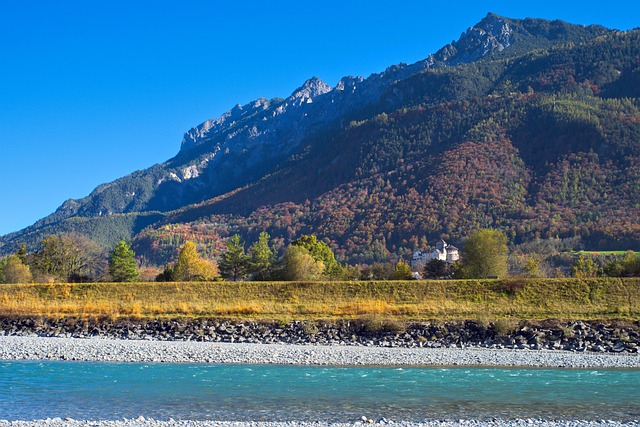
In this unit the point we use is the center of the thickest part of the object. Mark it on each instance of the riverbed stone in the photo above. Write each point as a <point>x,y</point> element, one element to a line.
<point>568,336</point>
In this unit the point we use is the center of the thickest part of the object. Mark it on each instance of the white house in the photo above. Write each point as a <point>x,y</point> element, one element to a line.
<point>443,251</point>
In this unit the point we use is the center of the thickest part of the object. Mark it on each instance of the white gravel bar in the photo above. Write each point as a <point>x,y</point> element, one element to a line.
<point>110,350</point>
<point>142,422</point>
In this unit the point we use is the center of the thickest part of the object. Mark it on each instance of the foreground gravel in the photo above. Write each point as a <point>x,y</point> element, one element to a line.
<point>110,350</point>
<point>57,422</point>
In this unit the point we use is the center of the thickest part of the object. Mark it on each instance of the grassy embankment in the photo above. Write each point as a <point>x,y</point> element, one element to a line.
<point>566,299</point>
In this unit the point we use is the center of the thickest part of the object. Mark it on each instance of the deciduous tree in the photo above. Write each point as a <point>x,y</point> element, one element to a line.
<point>626,266</point>
<point>585,267</point>
<point>192,267</point>
<point>13,270</point>
<point>484,254</point>
<point>435,269</point>
<point>321,252</point>
<point>402,271</point>
<point>532,267</point>
<point>377,271</point>
<point>70,258</point>
<point>299,264</point>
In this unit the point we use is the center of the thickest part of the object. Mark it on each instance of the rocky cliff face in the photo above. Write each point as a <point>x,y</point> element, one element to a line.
<point>492,35</point>
<point>263,132</point>
<point>272,129</point>
<point>254,120</point>
<point>257,119</point>
<point>262,121</point>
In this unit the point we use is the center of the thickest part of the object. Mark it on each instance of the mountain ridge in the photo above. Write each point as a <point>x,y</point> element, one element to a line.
<point>275,107</point>
<point>250,146</point>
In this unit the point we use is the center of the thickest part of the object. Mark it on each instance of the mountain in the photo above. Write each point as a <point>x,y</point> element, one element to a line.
<point>528,125</point>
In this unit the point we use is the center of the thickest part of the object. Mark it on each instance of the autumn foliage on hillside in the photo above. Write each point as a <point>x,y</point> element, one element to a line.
<point>532,165</point>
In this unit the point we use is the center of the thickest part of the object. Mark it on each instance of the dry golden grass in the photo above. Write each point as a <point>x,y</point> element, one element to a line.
<point>411,300</point>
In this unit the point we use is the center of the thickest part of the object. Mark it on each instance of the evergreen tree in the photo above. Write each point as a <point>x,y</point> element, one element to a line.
<point>22,253</point>
<point>122,263</point>
<point>234,262</point>
<point>192,267</point>
<point>263,258</point>
<point>167,275</point>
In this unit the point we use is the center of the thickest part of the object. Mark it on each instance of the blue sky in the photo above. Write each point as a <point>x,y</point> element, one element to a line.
<point>93,90</point>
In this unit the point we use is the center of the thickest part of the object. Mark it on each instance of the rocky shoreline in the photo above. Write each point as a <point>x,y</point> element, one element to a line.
<point>142,422</point>
<point>578,336</point>
<point>149,351</point>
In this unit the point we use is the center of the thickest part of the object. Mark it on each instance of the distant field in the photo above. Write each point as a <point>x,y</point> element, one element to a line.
<point>411,300</point>
<point>604,253</point>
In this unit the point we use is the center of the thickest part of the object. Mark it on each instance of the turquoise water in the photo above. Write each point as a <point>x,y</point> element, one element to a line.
<point>80,390</point>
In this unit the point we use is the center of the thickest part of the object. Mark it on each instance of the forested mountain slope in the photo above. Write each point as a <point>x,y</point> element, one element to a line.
<point>530,126</point>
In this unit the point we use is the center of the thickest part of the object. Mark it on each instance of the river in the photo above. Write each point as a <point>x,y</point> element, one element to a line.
<point>103,391</point>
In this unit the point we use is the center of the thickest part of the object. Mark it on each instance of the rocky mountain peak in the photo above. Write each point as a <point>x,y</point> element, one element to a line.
<point>309,90</point>
<point>348,83</point>
<point>196,135</point>
<point>491,35</point>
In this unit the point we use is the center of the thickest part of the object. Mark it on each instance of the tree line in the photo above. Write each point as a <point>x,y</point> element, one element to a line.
<point>305,259</point>
<point>74,258</point>
<point>484,254</point>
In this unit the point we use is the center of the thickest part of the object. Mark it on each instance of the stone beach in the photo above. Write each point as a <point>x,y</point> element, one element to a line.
<point>142,422</point>
<point>577,336</point>
<point>148,351</point>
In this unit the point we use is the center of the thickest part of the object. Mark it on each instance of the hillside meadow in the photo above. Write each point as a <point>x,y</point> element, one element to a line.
<point>522,299</point>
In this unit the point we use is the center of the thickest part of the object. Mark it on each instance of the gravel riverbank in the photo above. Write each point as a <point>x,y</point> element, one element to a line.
<point>113,350</point>
<point>141,422</point>
<point>576,336</point>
